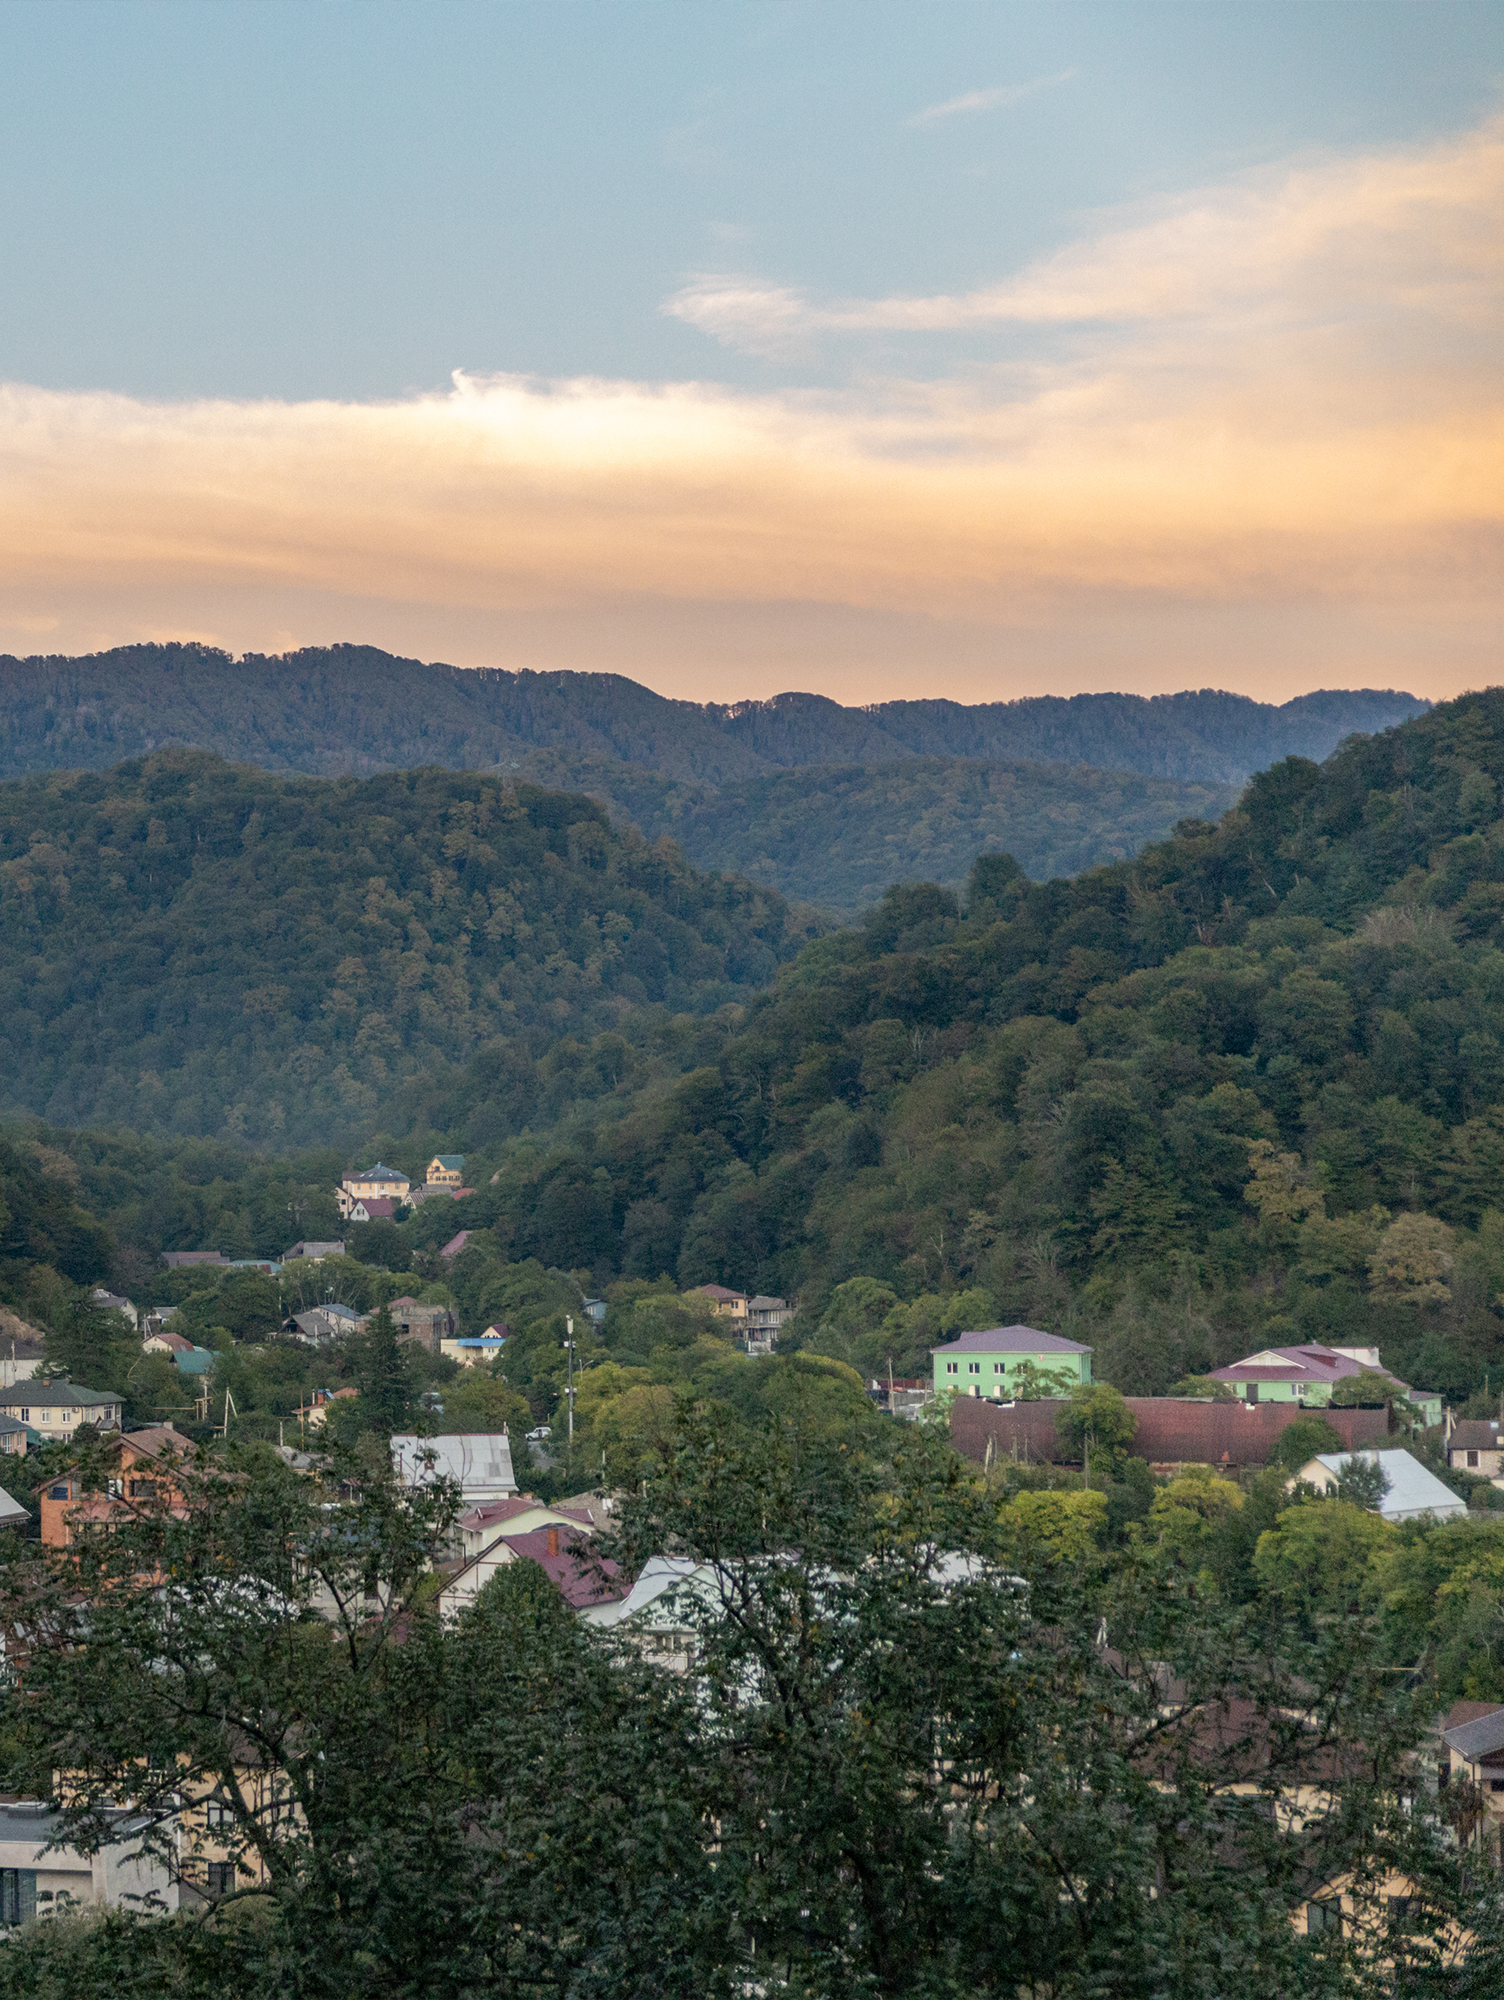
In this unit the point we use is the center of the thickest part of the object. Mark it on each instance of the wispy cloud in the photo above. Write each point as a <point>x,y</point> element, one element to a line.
<point>999,98</point>
<point>1276,396</point>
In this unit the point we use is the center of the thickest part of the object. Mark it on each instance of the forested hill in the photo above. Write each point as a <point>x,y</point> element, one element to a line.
<point>1248,1087</point>
<point>353,709</point>
<point>191,948</point>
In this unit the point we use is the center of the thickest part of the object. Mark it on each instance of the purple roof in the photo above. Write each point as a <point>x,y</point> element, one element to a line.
<point>1011,1340</point>
<point>1310,1364</point>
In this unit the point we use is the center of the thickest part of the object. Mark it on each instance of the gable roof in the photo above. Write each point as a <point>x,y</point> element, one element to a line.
<point>455,1244</point>
<point>59,1395</point>
<point>1475,1435</point>
<point>1312,1363</point>
<point>12,1513</point>
<point>576,1572</point>
<point>1412,1489</point>
<point>471,1459</point>
<point>450,1162</point>
<point>1011,1340</point>
<point>719,1292</point>
<point>1479,1739</point>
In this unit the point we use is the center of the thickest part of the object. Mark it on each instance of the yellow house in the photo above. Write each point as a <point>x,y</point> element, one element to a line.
<point>446,1170</point>
<point>730,1305</point>
<point>377,1181</point>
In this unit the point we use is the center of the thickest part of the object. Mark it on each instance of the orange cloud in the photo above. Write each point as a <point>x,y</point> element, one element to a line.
<point>1279,401</point>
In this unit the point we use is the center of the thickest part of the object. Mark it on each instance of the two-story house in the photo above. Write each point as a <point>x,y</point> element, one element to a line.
<point>380,1181</point>
<point>726,1304</point>
<point>1309,1375</point>
<point>144,1466</point>
<point>991,1363</point>
<point>445,1170</point>
<point>54,1410</point>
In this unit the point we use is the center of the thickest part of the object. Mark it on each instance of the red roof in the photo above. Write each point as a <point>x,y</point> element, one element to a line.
<point>1170,1430</point>
<point>579,1576</point>
<point>455,1244</point>
<point>719,1292</point>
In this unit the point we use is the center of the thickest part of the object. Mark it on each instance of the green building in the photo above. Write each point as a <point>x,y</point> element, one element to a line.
<point>1309,1374</point>
<point>988,1364</point>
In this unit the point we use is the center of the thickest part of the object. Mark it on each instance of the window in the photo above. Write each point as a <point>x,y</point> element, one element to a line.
<point>219,1812</point>
<point>998,1367</point>
<point>1496,1784</point>
<point>26,1416</point>
<point>1324,1916</point>
<point>973,1367</point>
<point>1404,1909</point>
<point>952,1367</point>
<point>18,1895</point>
<point>221,1878</point>
<point>1472,1458</point>
<point>59,1492</point>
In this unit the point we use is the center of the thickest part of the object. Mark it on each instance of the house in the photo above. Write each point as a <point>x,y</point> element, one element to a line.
<point>180,1260</point>
<point>191,1360</point>
<point>316,1412</point>
<point>595,1311</point>
<point>163,1340</point>
<point>104,1301</point>
<point>455,1244</point>
<point>560,1549</point>
<point>372,1208</point>
<point>12,1513</point>
<point>1309,1374</point>
<point>900,1398</point>
<point>428,1325</point>
<point>445,1170</point>
<point>320,1324</point>
<point>1477,1448</point>
<point>1472,1741</point>
<point>13,1436</point>
<point>56,1409</point>
<point>985,1364</point>
<point>470,1350</point>
<point>1171,1432</point>
<point>480,1526</point>
<point>480,1465</point>
<point>1414,1493</point>
<point>729,1305</point>
<point>40,1873</point>
<point>658,1614</point>
<point>313,1253</point>
<point>765,1316</point>
<point>381,1181</point>
<point>144,1471</point>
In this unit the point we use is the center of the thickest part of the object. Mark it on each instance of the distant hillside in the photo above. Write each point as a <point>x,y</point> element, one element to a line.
<point>353,709</point>
<point>189,948</point>
<point>838,835</point>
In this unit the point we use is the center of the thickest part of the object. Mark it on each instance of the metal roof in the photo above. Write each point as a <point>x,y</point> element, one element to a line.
<point>1011,1340</point>
<point>1475,1740</point>
<point>1413,1491</point>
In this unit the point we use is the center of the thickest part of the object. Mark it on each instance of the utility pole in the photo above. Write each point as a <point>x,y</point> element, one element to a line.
<point>569,1366</point>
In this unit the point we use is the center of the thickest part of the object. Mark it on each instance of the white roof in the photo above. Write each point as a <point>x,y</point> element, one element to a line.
<point>1413,1491</point>
<point>481,1464</point>
<point>12,1513</point>
<point>660,1574</point>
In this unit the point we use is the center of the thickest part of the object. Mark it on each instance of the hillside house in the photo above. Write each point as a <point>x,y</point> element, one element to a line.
<point>1309,1374</point>
<point>726,1304</point>
<point>428,1326</point>
<point>480,1465</point>
<point>314,1253</point>
<point>988,1363</point>
<point>104,1301</point>
<point>321,1324</point>
<point>1477,1447</point>
<point>379,1182</point>
<point>765,1316</point>
<point>561,1550</point>
<point>181,1260</point>
<point>13,1436</point>
<point>41,1874</point>
<point>145,1464</point>
<point>445,1170</point>
<point>455,1245</point>
<point>473,1349</point>
<point>56,1409</point>
<point>1414,1493</point>
<point>1472,1742</point>
<point>372,1208</point>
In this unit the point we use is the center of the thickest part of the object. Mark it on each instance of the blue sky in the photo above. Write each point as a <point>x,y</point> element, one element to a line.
<point>221,203</point>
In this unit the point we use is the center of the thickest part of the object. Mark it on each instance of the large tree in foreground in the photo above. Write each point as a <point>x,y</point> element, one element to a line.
<point>911,1757</point>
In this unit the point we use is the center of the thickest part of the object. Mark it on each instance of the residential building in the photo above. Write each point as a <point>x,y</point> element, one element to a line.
<point>480,1465</point>
<point>104,1301</point>
<point>321,1324</point>
<point>471,1349</point>
<point>41,1874</point>
<point>426,1325</point>
<point>445,1170</point>
<point>314,1253</point>
<point>729,1305</point>
<point>560,1549</point>
<point>1478,1448</point>
<point>1472,1741</point>
<point>480,1526</point>
<point>179,1260</point>
<point>455,1244</point>
<point>900,1397</point>
<point>595,1311</point>
<point>1414,1494</point>
<point>380,1181</point>
<point>988,1363</point>
<point>765,1316</point>
<point>660,1613</point>
<point>12,1513</point>
<point>191,1360</point>
<point>315,1412</point>
<point>54,1410</point>
<point>145,1470</point>
<point>372,1208</point>
<point>13,1436</point>
<point>1309,1374</point>
<point>1171,1432</point>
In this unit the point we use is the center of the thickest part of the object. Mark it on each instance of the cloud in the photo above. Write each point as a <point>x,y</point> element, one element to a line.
<point>1000,98</point>
<point>1270,409</point>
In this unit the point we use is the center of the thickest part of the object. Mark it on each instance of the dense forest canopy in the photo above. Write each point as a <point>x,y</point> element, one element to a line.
<point>343,709</point>
<point>192,948</point>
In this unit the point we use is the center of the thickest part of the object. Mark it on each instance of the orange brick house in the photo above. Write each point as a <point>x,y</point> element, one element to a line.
<point>144,1463</point>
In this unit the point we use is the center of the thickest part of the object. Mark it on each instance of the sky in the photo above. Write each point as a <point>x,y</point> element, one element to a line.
<point>874,350</point>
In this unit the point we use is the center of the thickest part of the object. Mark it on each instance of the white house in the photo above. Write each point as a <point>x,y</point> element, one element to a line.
<point>1414,1493</point>
<point>37,1880</point>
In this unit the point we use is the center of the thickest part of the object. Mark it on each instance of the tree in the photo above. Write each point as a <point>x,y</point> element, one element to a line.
<point>1362,1481</point>
<point>383,1375</point>
<point>1324,1556</point>
<point>1306,1437</point>
<point>1204,1388</point>
<point>1096,1424</point>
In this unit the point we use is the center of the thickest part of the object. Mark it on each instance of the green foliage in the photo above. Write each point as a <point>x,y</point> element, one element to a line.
<point>1095,1422</point>
<point>1305,1437</point>
<point>1362,1482</point>
<point>1324,1556</point>
<point>193,948</point>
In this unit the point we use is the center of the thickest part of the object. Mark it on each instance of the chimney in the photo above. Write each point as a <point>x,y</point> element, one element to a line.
<point>553,1541</point>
